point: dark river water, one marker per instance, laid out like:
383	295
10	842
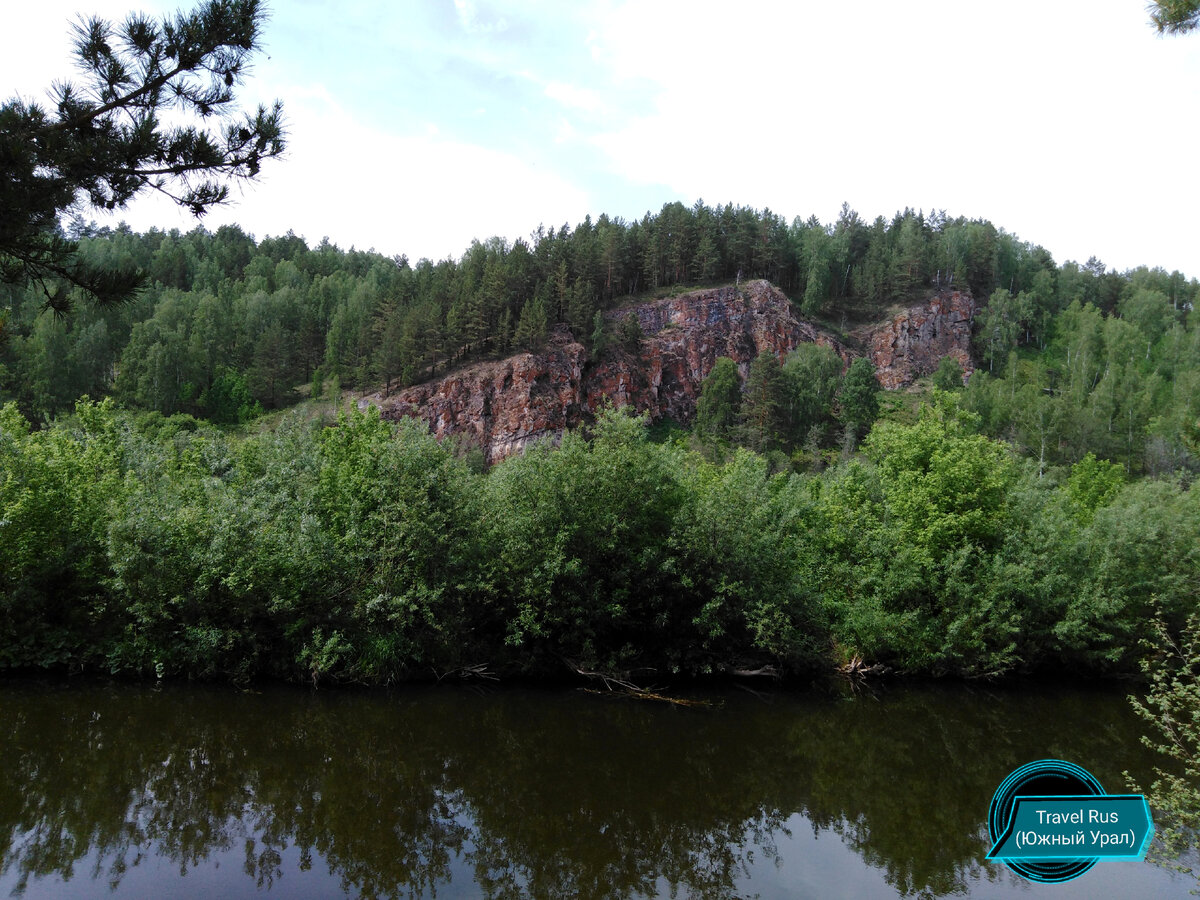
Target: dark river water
183	791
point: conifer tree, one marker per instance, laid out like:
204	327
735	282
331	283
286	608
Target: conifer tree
581	306
105	141
599	336
631	333
533	323
762	406
1175	16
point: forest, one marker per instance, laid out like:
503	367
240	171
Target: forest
1074	359
277	314
1039	519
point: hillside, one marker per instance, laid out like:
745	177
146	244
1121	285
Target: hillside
1078	358
501	406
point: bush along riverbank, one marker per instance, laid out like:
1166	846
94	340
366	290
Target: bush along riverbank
365	552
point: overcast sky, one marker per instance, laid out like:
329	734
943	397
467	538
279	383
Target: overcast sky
417	126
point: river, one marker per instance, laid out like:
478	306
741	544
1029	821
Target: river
193	791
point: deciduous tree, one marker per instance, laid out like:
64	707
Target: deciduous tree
1172	710
720	401
949	375
859	396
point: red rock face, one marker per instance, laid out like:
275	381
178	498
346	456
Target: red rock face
914	342
503	406
685	336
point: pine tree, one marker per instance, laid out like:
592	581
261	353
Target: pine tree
533	324
505	335
631	333
1175	16
706	264
105	142
763	404
599	336
581	306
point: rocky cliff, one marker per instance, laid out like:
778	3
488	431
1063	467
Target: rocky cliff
504	405
914	342
684	337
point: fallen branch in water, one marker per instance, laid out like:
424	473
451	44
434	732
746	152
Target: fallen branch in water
763	672
856	667
621	684
609	679
466	673
650	695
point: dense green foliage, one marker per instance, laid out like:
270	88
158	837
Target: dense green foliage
222	312
365	551
720	402
1006	527
1075	359
949	374
1122	384
789	413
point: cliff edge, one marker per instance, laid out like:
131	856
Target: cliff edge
504	405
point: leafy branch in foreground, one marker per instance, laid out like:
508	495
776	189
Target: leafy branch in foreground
104	140
1172	707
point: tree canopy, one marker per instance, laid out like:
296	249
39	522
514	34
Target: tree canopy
104	140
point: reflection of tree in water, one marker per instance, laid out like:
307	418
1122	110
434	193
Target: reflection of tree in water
651	794
906	782
186	775
534	794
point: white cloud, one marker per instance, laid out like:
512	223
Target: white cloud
575	97
1041	117
422	194
1068	123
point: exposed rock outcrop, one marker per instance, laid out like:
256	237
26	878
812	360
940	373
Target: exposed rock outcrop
914	342
504	405
684	337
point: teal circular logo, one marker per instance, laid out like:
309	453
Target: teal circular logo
1044	778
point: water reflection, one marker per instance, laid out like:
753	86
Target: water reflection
518	793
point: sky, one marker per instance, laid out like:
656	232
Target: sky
415	127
